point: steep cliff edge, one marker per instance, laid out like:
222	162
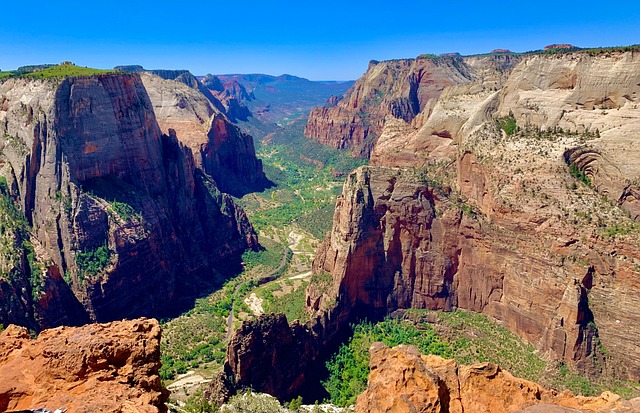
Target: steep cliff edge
119	212
400	89
403	380
219	148
98	367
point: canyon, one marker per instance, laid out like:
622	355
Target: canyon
503	184
500	184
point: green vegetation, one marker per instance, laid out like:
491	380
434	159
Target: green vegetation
65	70
508	125
291	304
308	178
621	229
349	367
430	56
579	175
270	256
92	262
196	339
467	337
15	243
319	221
124	210
198	404
4	75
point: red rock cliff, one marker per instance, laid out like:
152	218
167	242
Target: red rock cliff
512	193
397	88
499	225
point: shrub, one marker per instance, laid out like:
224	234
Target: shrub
508	125
92	262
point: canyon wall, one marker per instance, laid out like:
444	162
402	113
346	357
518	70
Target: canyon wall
509	188
496	223
219	147
119	212
400	89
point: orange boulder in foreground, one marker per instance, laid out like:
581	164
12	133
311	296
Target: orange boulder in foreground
403	380
109	367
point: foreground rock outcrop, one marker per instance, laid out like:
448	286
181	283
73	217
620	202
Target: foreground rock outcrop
95	368
403	380
122	220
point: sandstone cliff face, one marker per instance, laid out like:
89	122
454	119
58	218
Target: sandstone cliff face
293	353
219	148
268	338
513	236
116	207
403	380
99	367
400	89
233	96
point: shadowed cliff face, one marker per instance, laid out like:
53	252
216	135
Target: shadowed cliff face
219	148
116	206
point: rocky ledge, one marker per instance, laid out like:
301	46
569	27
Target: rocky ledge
109	367
403	380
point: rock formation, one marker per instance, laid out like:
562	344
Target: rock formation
403	380
233	96
95	368
268	338
399	89
293	353
119	213
559	46
219	148
507	187
498	224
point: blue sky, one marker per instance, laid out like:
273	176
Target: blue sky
319	40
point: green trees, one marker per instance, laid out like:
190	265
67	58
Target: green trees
92	262
349	367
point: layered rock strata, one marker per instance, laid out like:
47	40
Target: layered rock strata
219	148
119	212
514	236
96	368
400	89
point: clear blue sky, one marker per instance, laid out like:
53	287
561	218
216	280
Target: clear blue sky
320	40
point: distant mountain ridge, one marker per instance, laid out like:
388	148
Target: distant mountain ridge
271	101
